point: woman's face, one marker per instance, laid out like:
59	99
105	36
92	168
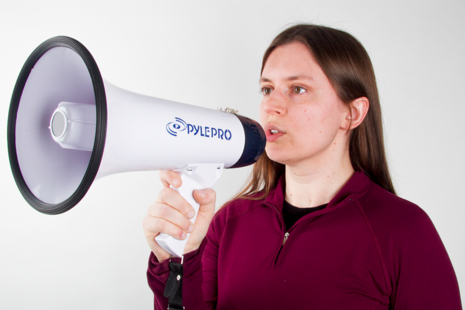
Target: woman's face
302	116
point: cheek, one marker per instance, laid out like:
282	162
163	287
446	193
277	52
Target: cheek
332	115
308	119
317	125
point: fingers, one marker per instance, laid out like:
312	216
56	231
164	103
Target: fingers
168	196
171	215
168	220
154	226
162	218
169	177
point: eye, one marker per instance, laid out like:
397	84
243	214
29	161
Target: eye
266	91
298	90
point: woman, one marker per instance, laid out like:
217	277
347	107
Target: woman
319	225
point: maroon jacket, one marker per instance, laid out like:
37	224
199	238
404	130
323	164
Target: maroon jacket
368	249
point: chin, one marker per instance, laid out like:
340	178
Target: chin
289	157
278	156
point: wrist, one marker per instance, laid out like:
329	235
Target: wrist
161	256
189	249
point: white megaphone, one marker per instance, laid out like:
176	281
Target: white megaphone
67	127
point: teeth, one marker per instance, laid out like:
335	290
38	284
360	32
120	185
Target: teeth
274	131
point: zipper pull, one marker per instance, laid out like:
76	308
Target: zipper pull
286	235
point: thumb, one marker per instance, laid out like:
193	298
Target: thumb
206	198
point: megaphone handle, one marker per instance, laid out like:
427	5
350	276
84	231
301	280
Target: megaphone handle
194	176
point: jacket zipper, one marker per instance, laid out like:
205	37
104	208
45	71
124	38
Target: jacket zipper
286	235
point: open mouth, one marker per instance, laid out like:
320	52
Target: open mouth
273	132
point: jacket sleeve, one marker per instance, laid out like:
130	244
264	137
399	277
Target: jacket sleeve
424	273
157	276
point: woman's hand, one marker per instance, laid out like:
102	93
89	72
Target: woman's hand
170	214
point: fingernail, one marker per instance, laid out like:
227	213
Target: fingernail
184	235
191	214
176	182
191	228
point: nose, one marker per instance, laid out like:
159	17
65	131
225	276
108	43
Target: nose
274	103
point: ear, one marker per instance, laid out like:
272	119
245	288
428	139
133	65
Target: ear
357	112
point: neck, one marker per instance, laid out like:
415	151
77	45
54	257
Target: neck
310	185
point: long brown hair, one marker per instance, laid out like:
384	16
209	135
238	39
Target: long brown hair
348	67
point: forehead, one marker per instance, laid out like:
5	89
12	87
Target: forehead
291	60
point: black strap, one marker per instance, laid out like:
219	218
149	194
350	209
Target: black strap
173	289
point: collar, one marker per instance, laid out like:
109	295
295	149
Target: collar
355	188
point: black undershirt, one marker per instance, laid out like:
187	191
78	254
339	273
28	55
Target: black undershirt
292	214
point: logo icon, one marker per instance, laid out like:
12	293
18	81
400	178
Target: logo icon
174	127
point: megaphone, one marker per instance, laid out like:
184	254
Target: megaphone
68	127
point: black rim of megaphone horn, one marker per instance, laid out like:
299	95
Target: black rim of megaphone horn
101	124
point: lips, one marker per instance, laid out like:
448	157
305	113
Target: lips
273	132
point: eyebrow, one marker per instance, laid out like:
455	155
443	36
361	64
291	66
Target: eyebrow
290	78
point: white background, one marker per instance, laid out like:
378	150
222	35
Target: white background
208	53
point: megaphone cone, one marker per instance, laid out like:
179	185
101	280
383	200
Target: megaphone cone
50	178
67	127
